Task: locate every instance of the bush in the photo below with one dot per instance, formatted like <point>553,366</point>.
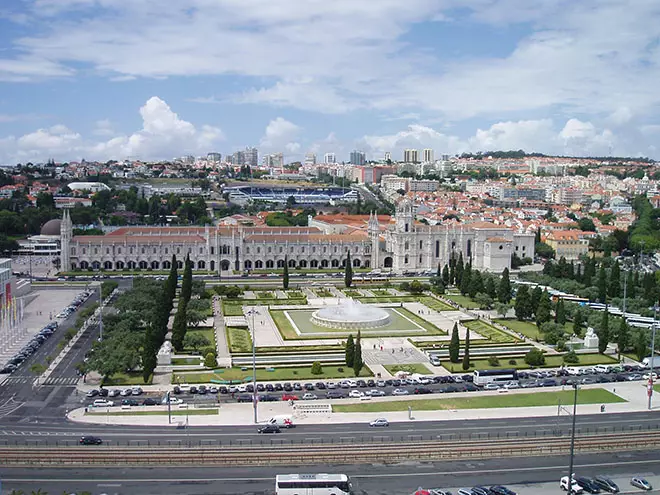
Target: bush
<point>341,370</point>
<point>317,369</point>
<point>493,361</point>
<point>535,357</point>
<point>561,346</point>
<point>210,361</point>
<point>571,357</point>
<point>209,350</point>
<point>512,362</point>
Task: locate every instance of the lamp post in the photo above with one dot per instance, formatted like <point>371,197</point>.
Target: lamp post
<point>652,358</point>
<point>572,453</point>
<point>253,312</point>
<point>100,311</point>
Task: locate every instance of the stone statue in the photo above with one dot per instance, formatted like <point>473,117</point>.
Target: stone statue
<point>591,339</point>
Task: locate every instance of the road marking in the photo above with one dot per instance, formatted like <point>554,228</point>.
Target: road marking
<point>108,485</point>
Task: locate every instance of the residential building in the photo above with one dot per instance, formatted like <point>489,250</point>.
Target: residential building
<point>567,243</point>
<point>329,158</point>
<point>358,157</point>
<point>310,158</point>
<point>428,155</point>
<point>410,156</point>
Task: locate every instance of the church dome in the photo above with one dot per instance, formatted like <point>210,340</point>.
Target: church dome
<point>51,227</point>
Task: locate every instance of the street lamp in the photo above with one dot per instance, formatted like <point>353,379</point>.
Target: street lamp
<point>572,453</point>
<point>651,359</point>
<point>100,311</point>
<point>253,312</point>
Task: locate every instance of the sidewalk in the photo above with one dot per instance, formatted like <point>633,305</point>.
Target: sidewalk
<point>224,356</point>
<point>242,414</point>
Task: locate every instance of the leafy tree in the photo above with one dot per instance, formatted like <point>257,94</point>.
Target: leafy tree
<point>490,288</point>
<point>604,332</point>
<point>502,309</point>
<point>8,245</point>
<point>445,276</point>
<point>194,318</point>
<point>543,309</point>
<point>523,305</point>
<point>571,357</point>
<point>535,357</point>
<point>483,300</point>
<point>358,363</point>
<point>615,280</point>
<point>348,272</point>
<point>641,345</point>
<point>454,345</point>
<point>504,289</point>
<point>602,285</point>
<point>493,361</point>
<point>285,274</point>
<point>586,224</point>
<point>195,341</point>
<point>317,369</point>
<point>544,250</point>
<point>210,361</point>
<point>350,351</point>
<point>560,312</point>
<point>466,353</point>
<point>45,200</point>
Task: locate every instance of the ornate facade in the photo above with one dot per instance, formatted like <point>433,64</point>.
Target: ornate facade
<point>401,246</point>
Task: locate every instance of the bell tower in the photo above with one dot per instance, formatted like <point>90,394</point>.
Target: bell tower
<point>373,229</point>
<point>66,234</point>
<point>404,216</point>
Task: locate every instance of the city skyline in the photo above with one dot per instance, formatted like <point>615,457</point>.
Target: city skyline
<point>79,80</point>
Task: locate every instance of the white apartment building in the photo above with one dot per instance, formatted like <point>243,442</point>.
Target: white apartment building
<point>393,183</point>
<point>427,155</point>
<point>410,156</point>
<point>329,158</point>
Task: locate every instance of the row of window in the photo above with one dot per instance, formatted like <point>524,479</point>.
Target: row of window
<point>224,264</point>
<point>301,249</point>
<point>131,250</point>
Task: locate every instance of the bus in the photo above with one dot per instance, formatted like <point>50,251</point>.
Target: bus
<point>312,484</point>
<point>482,377</point>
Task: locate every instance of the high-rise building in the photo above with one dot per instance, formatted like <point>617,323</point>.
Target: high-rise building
<point>251,156</point>
<point>214,157</point>
<point>388,156</point>
<point>238,158</point>
<point>410,156</point>
<point>310,158</point>
<point>275,160</point>
<point>427,155</point>
<point>329,158</point>
<point>358,157</point>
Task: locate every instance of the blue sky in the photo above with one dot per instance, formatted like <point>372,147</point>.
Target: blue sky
<point>102,79</point>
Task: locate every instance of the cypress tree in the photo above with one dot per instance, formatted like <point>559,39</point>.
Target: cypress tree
<point>149,351</point>
<point>476,283</point>
<point>466,354</point>
<point>348,273</point>
<point>357,357</point>
<point>460,268</point>
<point>536,298</point>
<point>623,337</point>
<point>172,281</point>
<point>285,274</point>
<point>445,276</point>
<point>504,289</point>
<point>186,283</point>
<point>452,270</point>
<point>543,309</point>
<point>490,288</point>
<point>577,323</point>
<point>464,285</point>
<point>350,351</point>
<point>560,312</point>
<point>523,306</point>
<point>454,345</point>
<point>604,332</point>
<point>602,285</point>
<point>615,280</point>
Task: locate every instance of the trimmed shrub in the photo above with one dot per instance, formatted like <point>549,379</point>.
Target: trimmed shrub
<point>493,361</point>
<point>317,369</point>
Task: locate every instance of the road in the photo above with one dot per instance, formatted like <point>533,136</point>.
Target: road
<point>49,431</point>
<point>529,476</point>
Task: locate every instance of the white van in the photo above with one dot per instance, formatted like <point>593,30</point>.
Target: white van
<point>282,421</point>
<point>602,368</point>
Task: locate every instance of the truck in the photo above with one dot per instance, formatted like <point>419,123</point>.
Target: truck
<point>283,421</point>
<point>648,360</point>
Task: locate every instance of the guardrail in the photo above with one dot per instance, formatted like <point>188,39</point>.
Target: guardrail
<point>302,409</point>
<point>276,453</point>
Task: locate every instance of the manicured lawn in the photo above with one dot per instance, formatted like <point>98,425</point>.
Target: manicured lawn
<point>410,368</point>
<point>279,374</point>
<point>352,293</point>
<point>132,378</point>
<point>265,295</point>
<point>232,308</point>
<point>550,362</point>
<point>380,292</point>
<point>294,294</point>
<point>435,304</point>
<point>239,339</point>
<point>175,412</point>
<point>489,332</point>
<point>429,327</point>
<point>588,396</point>
<point>462,301</point>
<point>184,361</point>
<point>528,329</point>
<point>322,293</point>
<point>300,349</point>
<point>207,332</point>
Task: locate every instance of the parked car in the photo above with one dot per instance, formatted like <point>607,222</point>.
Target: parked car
<point>244,398</point>
<point>480,490</point>
<point>103,403</point>
<point>309,396</point>
<point>422,391</point>
<point>501,490</point>
<point>575,488</point>
<point>606,484</point>
<point>129,402</point>
<point>90,440</point>
<point>641,483</point>
<point>335,394</point>
<point>375,393</point>
<point>269,429</point>
<point>92,393</point>
<point>114,393</point>
<point>149,402</point>
<point>356,394</point>
<point>491,386</point>
<point>587,484</point>
<point>126,392</point>
<point>289,397</point>
<point>379,422</point>
<point>400,391</point>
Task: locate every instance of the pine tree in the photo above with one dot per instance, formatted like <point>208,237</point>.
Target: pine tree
<point>543,309</point>
<point>466,354</point>
<point>615,280</point>
<point>454,345</point>
<point>348,273</point>
<point>602,285</point>
<point>350,351</point>
<point>476,283</point>
<point>445,276</point>
<point>560,312</point>
<point>357,357</point>
<point>504,289</point>
<point>490,288</point>
<point>536,298</point>
<point>285,275</point>
<point>523,306</point>
<point>604,331</point>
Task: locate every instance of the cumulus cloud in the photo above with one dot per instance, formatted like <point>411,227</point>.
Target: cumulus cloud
<point>164,135</point>
<point>280,135</point>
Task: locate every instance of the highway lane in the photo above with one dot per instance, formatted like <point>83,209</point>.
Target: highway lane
<point>63,433</point>
<point>535,475</point>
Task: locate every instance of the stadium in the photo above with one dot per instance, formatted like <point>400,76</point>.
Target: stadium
<point>302,195</point>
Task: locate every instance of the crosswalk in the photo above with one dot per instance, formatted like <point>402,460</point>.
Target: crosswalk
<point>9,406</point>
<point>52,381</point>
<point>17,380</point>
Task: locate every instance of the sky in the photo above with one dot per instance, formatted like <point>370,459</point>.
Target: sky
<point>150,80</point>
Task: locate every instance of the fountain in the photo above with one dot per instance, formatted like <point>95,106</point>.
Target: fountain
<point>351,315</point>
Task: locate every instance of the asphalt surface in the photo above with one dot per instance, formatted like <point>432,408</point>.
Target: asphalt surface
<point>528,476</point>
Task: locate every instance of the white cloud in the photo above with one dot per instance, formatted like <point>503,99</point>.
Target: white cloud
<point>280,135</point>
<point>163,136</point>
